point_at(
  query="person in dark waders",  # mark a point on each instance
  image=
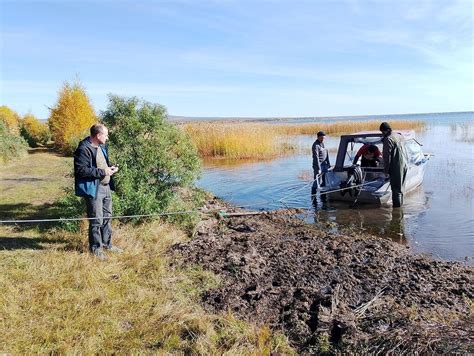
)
(395, 166)
(320, 167)
(320, 160)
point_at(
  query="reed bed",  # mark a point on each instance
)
(244, 140)
(344, 127)
(236, 140)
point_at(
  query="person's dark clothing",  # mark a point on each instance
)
(320, 162)
(90, 184)
(86, 174)
(395, 165)
(368, 162)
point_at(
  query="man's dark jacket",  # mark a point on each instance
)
(86, 174)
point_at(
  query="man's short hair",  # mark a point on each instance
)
(385, 126)
(97, 129)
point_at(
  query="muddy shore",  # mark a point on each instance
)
(332, 292)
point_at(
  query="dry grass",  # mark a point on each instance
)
(35, 179)
(69, 302)
(344, 127)
(235, 140)
(56, 298)
(244, 140)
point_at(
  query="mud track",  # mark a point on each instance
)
(330, 293)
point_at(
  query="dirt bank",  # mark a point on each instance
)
(328, 292)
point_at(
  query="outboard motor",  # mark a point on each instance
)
(353, 182)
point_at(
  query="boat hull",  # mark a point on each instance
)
(375, 190)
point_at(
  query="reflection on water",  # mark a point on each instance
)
(379, 221)
(437, 218)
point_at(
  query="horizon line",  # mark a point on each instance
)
(309, 117)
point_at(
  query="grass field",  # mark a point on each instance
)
(57, 298)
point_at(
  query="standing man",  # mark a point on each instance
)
(93, 181)
(320, 160)
(395, 166)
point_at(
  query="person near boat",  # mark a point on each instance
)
(371, 156)
(395, 165)
(320, 160)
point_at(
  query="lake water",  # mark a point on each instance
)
(436, 219)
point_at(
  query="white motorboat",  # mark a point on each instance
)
(355, 183)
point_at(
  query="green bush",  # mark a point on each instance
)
(11, 146)
(158, 164)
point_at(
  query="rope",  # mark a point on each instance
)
(296, 191)
(279, 202)
(338, 190)
(105, 217)
(321, 193)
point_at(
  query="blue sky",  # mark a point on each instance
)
(242, 58)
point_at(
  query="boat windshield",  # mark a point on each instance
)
(414, 152)
(368, 140)
(354, 147)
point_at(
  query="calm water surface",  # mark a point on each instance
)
(437, 218)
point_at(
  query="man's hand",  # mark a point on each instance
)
(111, 170)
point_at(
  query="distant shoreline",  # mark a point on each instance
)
(184, 119)
(177, 118)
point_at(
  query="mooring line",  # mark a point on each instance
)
(277, 203)
(104, 217)
(338, 190)
(296, 191)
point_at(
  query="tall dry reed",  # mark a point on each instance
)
(344, 127)
(243, 140)
(236, 140)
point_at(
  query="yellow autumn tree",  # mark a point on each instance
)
(72, 116)
(33, 131)
(11, 119)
